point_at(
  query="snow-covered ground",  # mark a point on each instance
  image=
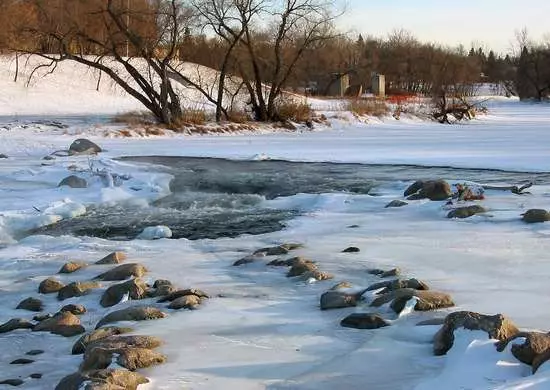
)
(261, 329)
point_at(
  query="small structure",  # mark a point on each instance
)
(378, 82)
(338, 84)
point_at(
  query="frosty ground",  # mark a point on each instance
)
(261, 329)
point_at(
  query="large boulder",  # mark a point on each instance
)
(535, 216)
(64, 324)
(31, 304)
(119, 342)
(466, 212)
(96, 335)
(497, 327)
(132, 289)
(161, 289)
(96, 358)
(364, 321)
(534, 345)
(49, 286)
(300, 266)
(72, 266)
(431, 189)
(396, 284)
(186, 302)
(83, 146)
(74, 309)
(134, 313)
(123, 271)
(73, 181)
(76, 289)
(15, 323)
(338, 299)
(426, 300)
(107, 379)
(181, 293)
(112, 258)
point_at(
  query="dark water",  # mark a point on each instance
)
(214, 198)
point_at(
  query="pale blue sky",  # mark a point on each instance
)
(492, 23)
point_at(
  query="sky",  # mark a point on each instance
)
(491, 24)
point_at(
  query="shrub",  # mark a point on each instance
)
(368, 107)
(134, 118)
(293, 111)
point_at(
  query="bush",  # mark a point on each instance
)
(134, 118)
(293, 111)
(368, 107)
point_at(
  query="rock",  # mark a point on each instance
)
(42, 317)
(133, 289)
(71, 267)
(22, 361)
(385, 274)
(278, 263)
(535, 344)
(35, 376)
(2, 156)
(15, 323)
(291, 246)
(96, 335)
(107, 379)
(64, 324)
(351, 249)
(112, 258)
(245, 260)
(396, 203)
(31, 304)
(35, 352)
(316, 275)
(161, 291)
(73, 181)
(120, 342)
(48, 158)
(300, 267)
(129, 358)
(123, 271)
(12, 382)
(539, 360)
(49, 286)
(431, 322)
(497, 327)
(535, 216)
(432, 189)
(341, 285)
(426, 300)
(134, 313)
(339, 299)
(83, 146)
(73, 309)
(364, 321)
(466, 212)
(272, 251)
(397, 284)
(185, 302)
(155, 233)
(182, 293)
(76, 289)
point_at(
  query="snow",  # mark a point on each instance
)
(261, 329)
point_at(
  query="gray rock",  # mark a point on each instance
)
(83, 146)
(534, 345)
(134, 288)
(12, 382)
(112, 258)
(107, 379)
(130, 358)
(31, 304)
(15, 323)
(186, 302)
(74, 309)
(535, 216)
(300, 267)
(385, 273)
(22, 361)
(36, 375)
(396, 203)
(64, 324)
(96, 335)
(49, 286)
(76, 289)
(364, 321)
(134, 313)
(35, 352)
(245, 260)
(123, 272)
(426, 300)
(73, 181)
(336, 299)
(72, 266)
(181, 293)
(396, 284)
(351, 249)
(466, 212)
(497, 327)
(435, 190)
(3, 156)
